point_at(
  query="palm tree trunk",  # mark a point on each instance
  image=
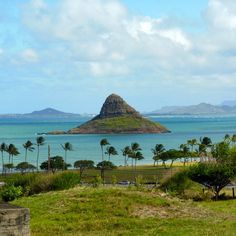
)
(2, 163)
(26, 155)
(135, 163)
(102, 153)
(38, 159)
(65, 160)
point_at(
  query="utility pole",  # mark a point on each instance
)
(49, 158)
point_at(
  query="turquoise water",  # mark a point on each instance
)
(18, 131)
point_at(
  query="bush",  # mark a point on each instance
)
(33, 183)
(178, 183)
(10, 192)
(65, 180)
(97, 181)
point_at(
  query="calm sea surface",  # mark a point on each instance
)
(18, 131)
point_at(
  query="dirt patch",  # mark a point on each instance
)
(180, 211)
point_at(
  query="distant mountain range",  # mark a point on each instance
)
(230, 103)
(45, 113)
(200, 109)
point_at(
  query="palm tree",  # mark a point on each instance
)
(204, 144)
(192, 143)
(125, 152)
(103, 142)
(40, 141)
(12, 151)
(111, 151)
(67, 147)
(28, 146)
(157, 150)
(3, 148)
(137, 156)
(135, 148)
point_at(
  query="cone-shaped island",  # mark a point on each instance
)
(117, 117)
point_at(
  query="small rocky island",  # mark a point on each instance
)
(117, 117)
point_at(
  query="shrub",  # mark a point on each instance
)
(10, 192)
(33, 183)
(65, 180)
(97, 181)
(178, 183)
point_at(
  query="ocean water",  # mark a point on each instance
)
(18, 131)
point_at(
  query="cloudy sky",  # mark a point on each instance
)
(71, 54)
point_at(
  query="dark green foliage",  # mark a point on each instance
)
(157, 150)
(221, 151)
(10, 192)
(56, 163)
(83, 165)
(105, 165)
(24, 167)
(178, 183)
(110, 150)
(33, 183)
(65, 180)
(212, 175)
(171, 155)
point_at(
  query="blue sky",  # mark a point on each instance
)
(71, 54)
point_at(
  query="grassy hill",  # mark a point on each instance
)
(126, 211)
(120, 124)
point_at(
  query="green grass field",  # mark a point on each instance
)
(126, 211)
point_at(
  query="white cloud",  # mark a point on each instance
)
(108, 69)
(30, 55)
(107, 41)
(221, 14)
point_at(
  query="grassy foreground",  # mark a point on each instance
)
(126, 211)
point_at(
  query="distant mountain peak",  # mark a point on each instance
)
(48, 111)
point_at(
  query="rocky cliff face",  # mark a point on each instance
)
(115, 106)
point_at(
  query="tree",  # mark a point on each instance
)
(125, 152)
(233, 140)
(56, 163)
(157, 150)
(170, 155)
(12, 151)
(105, 165)
(214, 176)
(220, 151)
(24, 167)
(192, 143)
(40, 141)
(67, 147)
(110, 150)
(82, 165)
(227, 139)
(3, 148)
(103, 142)
(204, 144)
(137, 156)
(135, 147)
(28, 146)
